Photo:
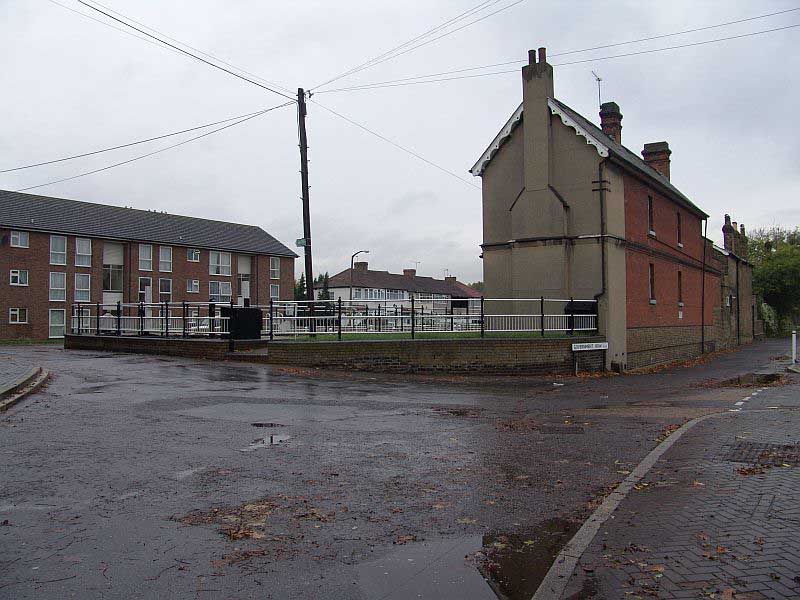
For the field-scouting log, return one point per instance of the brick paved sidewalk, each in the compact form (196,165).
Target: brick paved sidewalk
(717,517)
(11,371)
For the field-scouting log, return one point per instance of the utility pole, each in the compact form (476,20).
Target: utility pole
(301,122)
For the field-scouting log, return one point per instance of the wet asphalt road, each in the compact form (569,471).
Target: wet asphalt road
(144,477)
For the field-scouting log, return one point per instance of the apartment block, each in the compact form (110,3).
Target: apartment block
(55,253)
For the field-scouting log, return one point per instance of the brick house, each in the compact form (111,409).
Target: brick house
(370,286)
(55,252)
(568,211)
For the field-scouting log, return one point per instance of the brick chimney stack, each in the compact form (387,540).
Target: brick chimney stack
(657,156)
(728,233)
(611,120)
(409,272)
(361,266)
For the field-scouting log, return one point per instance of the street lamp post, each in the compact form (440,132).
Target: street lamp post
(352,258)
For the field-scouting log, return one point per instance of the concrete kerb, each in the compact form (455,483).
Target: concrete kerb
(557,578)
(18,389)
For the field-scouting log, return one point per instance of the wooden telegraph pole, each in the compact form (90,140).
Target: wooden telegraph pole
(301,120)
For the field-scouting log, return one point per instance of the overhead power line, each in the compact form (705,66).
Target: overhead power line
(198,50)
(448,22)
(391,54)
(140,157)
(396,145)
(186,52)
(129,144)
(420,79)
(120,29)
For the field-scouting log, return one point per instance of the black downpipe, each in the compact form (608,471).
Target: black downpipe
(602,189)
(703,295)
(738,306)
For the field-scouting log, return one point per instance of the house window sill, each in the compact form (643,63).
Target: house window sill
(652,301)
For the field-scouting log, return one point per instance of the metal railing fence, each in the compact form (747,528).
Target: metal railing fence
(541,316)
(165,319)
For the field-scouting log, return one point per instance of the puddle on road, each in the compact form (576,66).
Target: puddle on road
(265,442)
(515,563)
(431,569)
(509,566)
(238,375)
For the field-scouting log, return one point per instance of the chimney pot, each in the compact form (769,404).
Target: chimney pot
(741,229)
(531,57)
(657,156)
(542,55)
(409,272)
(611,120)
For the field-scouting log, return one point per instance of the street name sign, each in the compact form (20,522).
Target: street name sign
(590,346)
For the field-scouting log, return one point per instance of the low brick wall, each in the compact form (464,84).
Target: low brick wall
(213,348)
(488,355)
(654,345)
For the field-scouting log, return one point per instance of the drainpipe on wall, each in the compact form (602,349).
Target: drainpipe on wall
(703,295)
(738,306)
(601,188)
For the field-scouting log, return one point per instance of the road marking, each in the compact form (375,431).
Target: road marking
(734,410)
(739,403)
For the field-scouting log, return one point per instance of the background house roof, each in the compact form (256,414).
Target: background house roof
(592,132)
(409,283)
(60,215)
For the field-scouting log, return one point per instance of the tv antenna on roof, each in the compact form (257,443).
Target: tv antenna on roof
(598,79)
(416,264)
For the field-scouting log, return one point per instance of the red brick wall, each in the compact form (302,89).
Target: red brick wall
(36,260)
(663,251)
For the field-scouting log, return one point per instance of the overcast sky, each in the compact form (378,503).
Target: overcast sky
(71,85)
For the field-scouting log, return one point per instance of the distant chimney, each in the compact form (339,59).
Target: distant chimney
(360,266)
(657,156)
(611,120)
(728,233)
(410,272)
(450,278)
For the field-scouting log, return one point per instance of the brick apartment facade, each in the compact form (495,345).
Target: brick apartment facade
(56,252)
(568,211)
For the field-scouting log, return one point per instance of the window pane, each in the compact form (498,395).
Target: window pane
(145,257)
(112,278)
(19,239)
(58,250)
(274,267)
(83,252)
(165,259)
(56,323)
(58,286)
(82,287)
(274,291)
(193,255)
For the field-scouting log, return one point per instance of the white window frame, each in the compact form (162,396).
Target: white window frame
(20,235)
(146,262)
(164,264)
(220,267)
(19,277)
(219,297)
(13,316)
(192,286)
(274,291)
(274,267)
(83,290)
(58,257)
(50,325)
(59,297)
(160,281)
(83,259)
(192,255)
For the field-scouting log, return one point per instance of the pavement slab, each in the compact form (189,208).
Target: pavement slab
(717,517)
